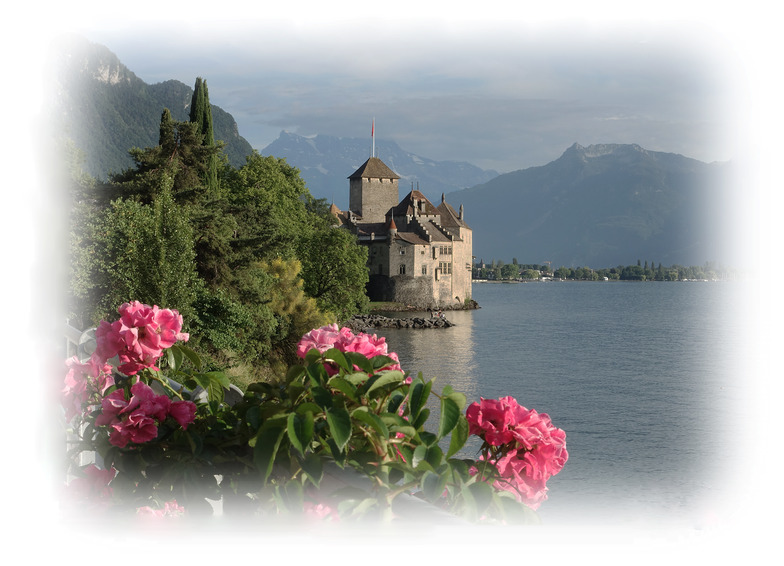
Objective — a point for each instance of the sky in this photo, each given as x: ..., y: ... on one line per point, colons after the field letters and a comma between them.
x: 503, y: 95
x: 501, y: 88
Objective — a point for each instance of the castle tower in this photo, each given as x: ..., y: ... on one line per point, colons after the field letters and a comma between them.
x: 373, y: 190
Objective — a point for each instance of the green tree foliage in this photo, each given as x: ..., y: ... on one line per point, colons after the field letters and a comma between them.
x: 334, y: 266
x: 251, y: 267
x: 146, y: 254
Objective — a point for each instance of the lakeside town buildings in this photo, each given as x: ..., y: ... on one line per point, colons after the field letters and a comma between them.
x: 418, y: 254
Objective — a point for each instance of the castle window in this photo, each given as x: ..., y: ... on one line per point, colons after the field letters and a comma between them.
x: 402, y: 251
x: 445, y: 267
x: 424, y: 270
x: 402, y: 269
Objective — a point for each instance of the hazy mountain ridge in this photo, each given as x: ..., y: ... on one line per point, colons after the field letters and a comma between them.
x: 601, y: 206
x: 325, y: 163
x: 105, y: 109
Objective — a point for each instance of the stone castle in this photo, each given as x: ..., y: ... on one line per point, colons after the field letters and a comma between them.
x: 418, y: 254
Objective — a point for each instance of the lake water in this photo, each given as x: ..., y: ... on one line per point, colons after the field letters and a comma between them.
x: 641, y: 376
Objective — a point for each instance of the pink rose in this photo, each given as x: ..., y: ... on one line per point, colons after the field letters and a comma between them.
x: 492, y: 420
x: 184, y: 412
x: 326, y: 337
x: 322, y: 339
x: 530, y: 449
x: 136, y: 420
x: 516, y: 479
x: 111, y: 406
x: 108, y: 339
x: 136, y: 427
x: 144, y: 399
x: 139, y: 337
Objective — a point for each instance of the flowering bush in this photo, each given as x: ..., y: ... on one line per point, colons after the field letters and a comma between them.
x: 167, y: 441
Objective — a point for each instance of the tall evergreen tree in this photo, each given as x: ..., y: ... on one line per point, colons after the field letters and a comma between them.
x: 201, y: 115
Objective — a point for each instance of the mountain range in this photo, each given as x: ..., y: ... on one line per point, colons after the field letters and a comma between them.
x: 597, y: 206
x: 325, y: 162
x: 603, y: 206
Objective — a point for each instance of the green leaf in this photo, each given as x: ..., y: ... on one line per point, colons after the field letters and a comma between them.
x: 313, y: 467
x: 360, y: 361
x: 300, y: 430
x: 174, y: 356
x: 335, y: 355
x: 344, y: 387
x: 434, y: 456
x: 312, y: 356
x: 355, y: 378
x: 427, y: 458
x: 220, y: 378
x: 267, y: 443
x: 317, y: 374
x: 337, y: 454
x: 421, y: 418
x: 459, y: 437
x: 395, y: 400
x: 372, y: 420
x: 478, y: 496
x: 427, y: 437
x: 322, y: 396
x: 382, y: 379
x: 303, y: 408
x: 433, y: 486
x: 418, y: 394
x: 458, y: 398
x: 450, y: 414
x: 212, y: 384
x: 382, y: 361
x: 192, y: 356
x: 339, y: 422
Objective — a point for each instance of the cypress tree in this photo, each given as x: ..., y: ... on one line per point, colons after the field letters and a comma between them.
x: 166, y: 137
x: 201, y: 115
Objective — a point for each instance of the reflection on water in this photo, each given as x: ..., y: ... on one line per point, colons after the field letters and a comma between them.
x: 446, y: 354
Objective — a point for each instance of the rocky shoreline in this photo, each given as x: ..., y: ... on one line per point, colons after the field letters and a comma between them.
x: 367, y: 322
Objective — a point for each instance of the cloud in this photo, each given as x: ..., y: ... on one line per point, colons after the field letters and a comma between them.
x: 503, y: 96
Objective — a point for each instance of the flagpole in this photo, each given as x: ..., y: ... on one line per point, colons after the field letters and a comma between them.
x: 373, y: 137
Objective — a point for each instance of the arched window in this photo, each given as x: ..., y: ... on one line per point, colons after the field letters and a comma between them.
x: 402, y: 269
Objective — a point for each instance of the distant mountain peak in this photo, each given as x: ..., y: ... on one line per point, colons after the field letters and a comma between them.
x: 602, y: 149
x: 603, y: 205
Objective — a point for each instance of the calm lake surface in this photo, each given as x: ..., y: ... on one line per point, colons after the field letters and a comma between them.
x: 643, y: 377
